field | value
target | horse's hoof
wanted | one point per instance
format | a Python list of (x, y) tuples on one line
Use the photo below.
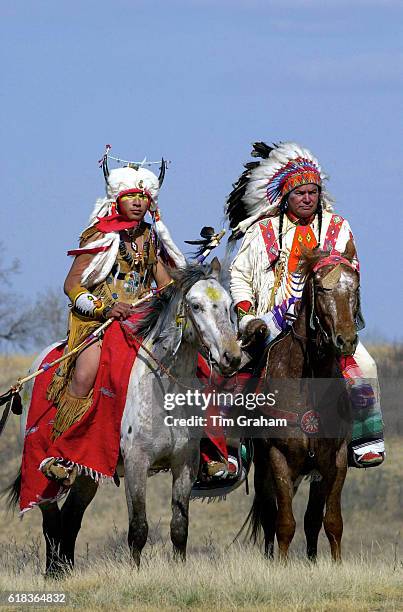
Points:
[(56, 573)]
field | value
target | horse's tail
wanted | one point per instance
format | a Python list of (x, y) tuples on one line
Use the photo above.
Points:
[(13, 493), (255, 518), (253, 522)]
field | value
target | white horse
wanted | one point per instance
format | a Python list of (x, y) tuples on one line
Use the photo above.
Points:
[(193, 315)]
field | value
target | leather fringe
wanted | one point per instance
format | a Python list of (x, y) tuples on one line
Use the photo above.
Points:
[(70, 410), (78, 331)]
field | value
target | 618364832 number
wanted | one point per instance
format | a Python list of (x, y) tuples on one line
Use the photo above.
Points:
[(34, 597)]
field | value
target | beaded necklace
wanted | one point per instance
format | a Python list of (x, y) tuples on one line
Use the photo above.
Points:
[(137, 257)]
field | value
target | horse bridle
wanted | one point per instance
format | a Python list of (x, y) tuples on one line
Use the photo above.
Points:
[(186, 312), (314, 321)]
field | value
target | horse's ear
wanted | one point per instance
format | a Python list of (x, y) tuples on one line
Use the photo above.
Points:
[(215, 268), (309, 257), (349, 251)]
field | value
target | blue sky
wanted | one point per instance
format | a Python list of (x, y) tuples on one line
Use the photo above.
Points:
[(198, 81)]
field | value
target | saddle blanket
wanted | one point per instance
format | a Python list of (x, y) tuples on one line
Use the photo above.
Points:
[(92, 443)]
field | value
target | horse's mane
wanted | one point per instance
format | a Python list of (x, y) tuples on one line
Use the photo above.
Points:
[(153, 310), (159, 313)]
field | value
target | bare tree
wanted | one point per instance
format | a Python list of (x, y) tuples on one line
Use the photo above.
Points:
[(12, 324), (30, 324), (47, 317)]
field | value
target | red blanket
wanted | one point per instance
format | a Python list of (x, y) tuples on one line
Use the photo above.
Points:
[(91, 443), (213, 445)]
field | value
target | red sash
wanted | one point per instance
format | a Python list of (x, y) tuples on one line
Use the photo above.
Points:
[(332, 233), (269, 239)]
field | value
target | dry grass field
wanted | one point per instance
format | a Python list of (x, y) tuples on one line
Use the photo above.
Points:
[(240, 580), (220, 574)]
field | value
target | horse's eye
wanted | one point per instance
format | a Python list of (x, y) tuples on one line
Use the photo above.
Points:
[(195, 307)]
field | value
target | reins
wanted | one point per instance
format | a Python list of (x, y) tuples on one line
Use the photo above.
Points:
[(161, 366), (314, 323)]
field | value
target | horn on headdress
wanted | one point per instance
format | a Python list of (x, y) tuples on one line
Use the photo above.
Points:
[(162, 172), (104, 162), (105, 168)]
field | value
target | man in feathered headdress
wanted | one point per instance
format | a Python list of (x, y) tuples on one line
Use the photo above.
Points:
[(279, 205), (119, 257)]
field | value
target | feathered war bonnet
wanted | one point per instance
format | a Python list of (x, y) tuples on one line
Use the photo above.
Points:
[(132, 178), (262, 186)]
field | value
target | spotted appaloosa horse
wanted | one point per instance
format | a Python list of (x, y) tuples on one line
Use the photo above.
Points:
[(201, 305), (323, 332)]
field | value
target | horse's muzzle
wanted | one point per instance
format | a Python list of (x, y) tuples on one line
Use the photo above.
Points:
[(230, 359), (345, 345)]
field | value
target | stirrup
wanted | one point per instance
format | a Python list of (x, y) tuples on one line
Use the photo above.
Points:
[(233, 466)]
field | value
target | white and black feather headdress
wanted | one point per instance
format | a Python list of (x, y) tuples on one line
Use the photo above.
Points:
[(260, 188)]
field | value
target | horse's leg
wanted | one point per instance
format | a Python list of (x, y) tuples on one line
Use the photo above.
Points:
[(135, 485), (52, 531), (285, 523), (333, 520), (313, 518), (81, 495), (269, 519), (184, 473), (264, 504)]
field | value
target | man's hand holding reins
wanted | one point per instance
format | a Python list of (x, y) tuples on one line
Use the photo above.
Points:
[(255, 333)]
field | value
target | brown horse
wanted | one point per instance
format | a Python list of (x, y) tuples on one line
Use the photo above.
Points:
[(323, 332)]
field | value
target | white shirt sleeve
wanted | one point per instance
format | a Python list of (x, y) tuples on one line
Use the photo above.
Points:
[(241, 270)]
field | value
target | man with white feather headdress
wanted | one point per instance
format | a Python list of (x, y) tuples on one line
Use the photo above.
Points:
[(279, 206)]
